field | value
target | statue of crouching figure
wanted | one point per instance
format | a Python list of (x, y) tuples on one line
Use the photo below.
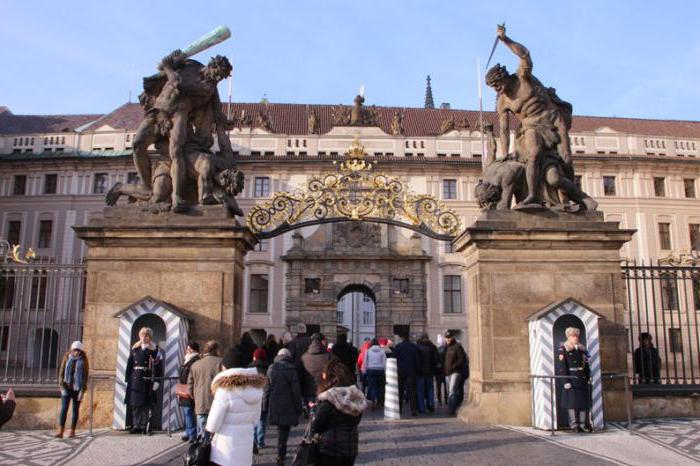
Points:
[(216, 179), (504, 179)]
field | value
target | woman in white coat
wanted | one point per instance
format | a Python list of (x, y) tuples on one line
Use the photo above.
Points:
[(234, 412)]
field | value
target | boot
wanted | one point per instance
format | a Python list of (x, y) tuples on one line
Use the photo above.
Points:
[(72, 433), (59, 434), (279, 461)]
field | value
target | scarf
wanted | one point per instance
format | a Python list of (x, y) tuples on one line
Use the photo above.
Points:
[(73, 374)]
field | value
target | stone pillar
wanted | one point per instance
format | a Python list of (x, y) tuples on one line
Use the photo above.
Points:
[(194, 262), (518, 262)]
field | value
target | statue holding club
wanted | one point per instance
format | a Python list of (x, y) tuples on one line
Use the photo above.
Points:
[(182, 113)]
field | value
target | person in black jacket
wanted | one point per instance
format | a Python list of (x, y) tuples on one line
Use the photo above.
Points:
[(337, 415), (282, 399), (647, 363), (346, 352), (425, 380), (145, 363), (572, 360), (408, 362), (456, 371), (246, 348), (271, 348), (7, 406), (187, 404)]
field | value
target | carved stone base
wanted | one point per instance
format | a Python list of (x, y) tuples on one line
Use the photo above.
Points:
[(517, 263), (193, 262)]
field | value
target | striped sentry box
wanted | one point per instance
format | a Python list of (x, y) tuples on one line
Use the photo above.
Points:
[(542, 360), (176, 329), (392, 407)]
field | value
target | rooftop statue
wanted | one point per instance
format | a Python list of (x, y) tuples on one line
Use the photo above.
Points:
[(541, 140), (182, 115)]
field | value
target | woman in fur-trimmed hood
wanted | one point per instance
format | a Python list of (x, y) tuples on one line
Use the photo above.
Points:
[(233, 414), (337, 415)]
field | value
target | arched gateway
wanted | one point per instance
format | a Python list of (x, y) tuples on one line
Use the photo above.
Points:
[(355, 272)]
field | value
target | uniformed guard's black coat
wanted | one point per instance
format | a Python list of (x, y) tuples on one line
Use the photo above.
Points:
[(574, 361), (142, 363)]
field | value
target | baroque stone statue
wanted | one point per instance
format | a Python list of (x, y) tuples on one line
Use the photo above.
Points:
[(541, 140), (397, 124), (182, 115), (312, 122)]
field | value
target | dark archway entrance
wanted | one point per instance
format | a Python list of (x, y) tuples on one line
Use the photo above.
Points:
[(155, 323), (356, 313)]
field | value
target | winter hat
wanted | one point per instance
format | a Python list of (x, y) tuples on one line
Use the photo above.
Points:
[(383, 341), (285, 353), (77, 345), (259, 354), (231, 359)]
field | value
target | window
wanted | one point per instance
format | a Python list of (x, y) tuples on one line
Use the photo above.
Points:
[(261, 187), (45, 227), (20, 186), (38, 296), (609, 185), (258, 292), (669, 292), (577, 181), (261, 246), (399, 286), (133, 178), (452, 294), (100, 185), (4, 334), (14, 229), (312, 285), (696, 292), (440, 154), (675, 340), (659, 186), (665, 235), (689, 187), (449, 189), (7, 291), (50, 184), (694, 233)]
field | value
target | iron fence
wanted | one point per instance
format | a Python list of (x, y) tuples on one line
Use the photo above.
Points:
[(663, 303), (41, 313)]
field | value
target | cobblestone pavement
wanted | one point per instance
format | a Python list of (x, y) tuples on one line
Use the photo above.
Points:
[(679, 435), (423, 440)]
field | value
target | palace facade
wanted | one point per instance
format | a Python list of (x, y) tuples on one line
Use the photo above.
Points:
[(369, 278)]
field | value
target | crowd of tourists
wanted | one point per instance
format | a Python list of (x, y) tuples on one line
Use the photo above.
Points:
[(230, 398)]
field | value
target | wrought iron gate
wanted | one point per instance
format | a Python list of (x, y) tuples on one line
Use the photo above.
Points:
[(664, 302), (41, 313)]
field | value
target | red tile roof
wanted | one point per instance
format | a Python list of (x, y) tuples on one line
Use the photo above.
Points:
[(293, 119), (31, 124)]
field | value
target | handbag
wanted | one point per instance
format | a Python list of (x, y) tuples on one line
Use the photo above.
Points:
[(307, 452), (199, 452), (182, 391)]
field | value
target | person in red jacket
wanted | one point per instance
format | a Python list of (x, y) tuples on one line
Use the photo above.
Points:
[(361, 364)]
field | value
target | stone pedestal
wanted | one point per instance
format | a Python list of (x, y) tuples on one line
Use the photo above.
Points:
[(518, 263), (193, 262)]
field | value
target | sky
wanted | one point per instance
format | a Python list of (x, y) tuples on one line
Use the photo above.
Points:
[(623, 58)]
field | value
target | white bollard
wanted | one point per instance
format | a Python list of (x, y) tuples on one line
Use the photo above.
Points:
[(392, 407)]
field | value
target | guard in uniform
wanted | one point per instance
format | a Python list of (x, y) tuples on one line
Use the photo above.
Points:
[(145, 362), (573, 359)]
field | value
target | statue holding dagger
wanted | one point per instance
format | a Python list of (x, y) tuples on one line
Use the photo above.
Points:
[(542, 139)]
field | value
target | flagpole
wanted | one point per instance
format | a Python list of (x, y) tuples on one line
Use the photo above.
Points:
[(481, 114), (228, 110)]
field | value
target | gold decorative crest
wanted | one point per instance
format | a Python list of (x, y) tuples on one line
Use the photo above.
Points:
[(354, 192), (13, 253)]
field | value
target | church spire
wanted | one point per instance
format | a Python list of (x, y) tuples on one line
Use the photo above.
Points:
[(428, 94)]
